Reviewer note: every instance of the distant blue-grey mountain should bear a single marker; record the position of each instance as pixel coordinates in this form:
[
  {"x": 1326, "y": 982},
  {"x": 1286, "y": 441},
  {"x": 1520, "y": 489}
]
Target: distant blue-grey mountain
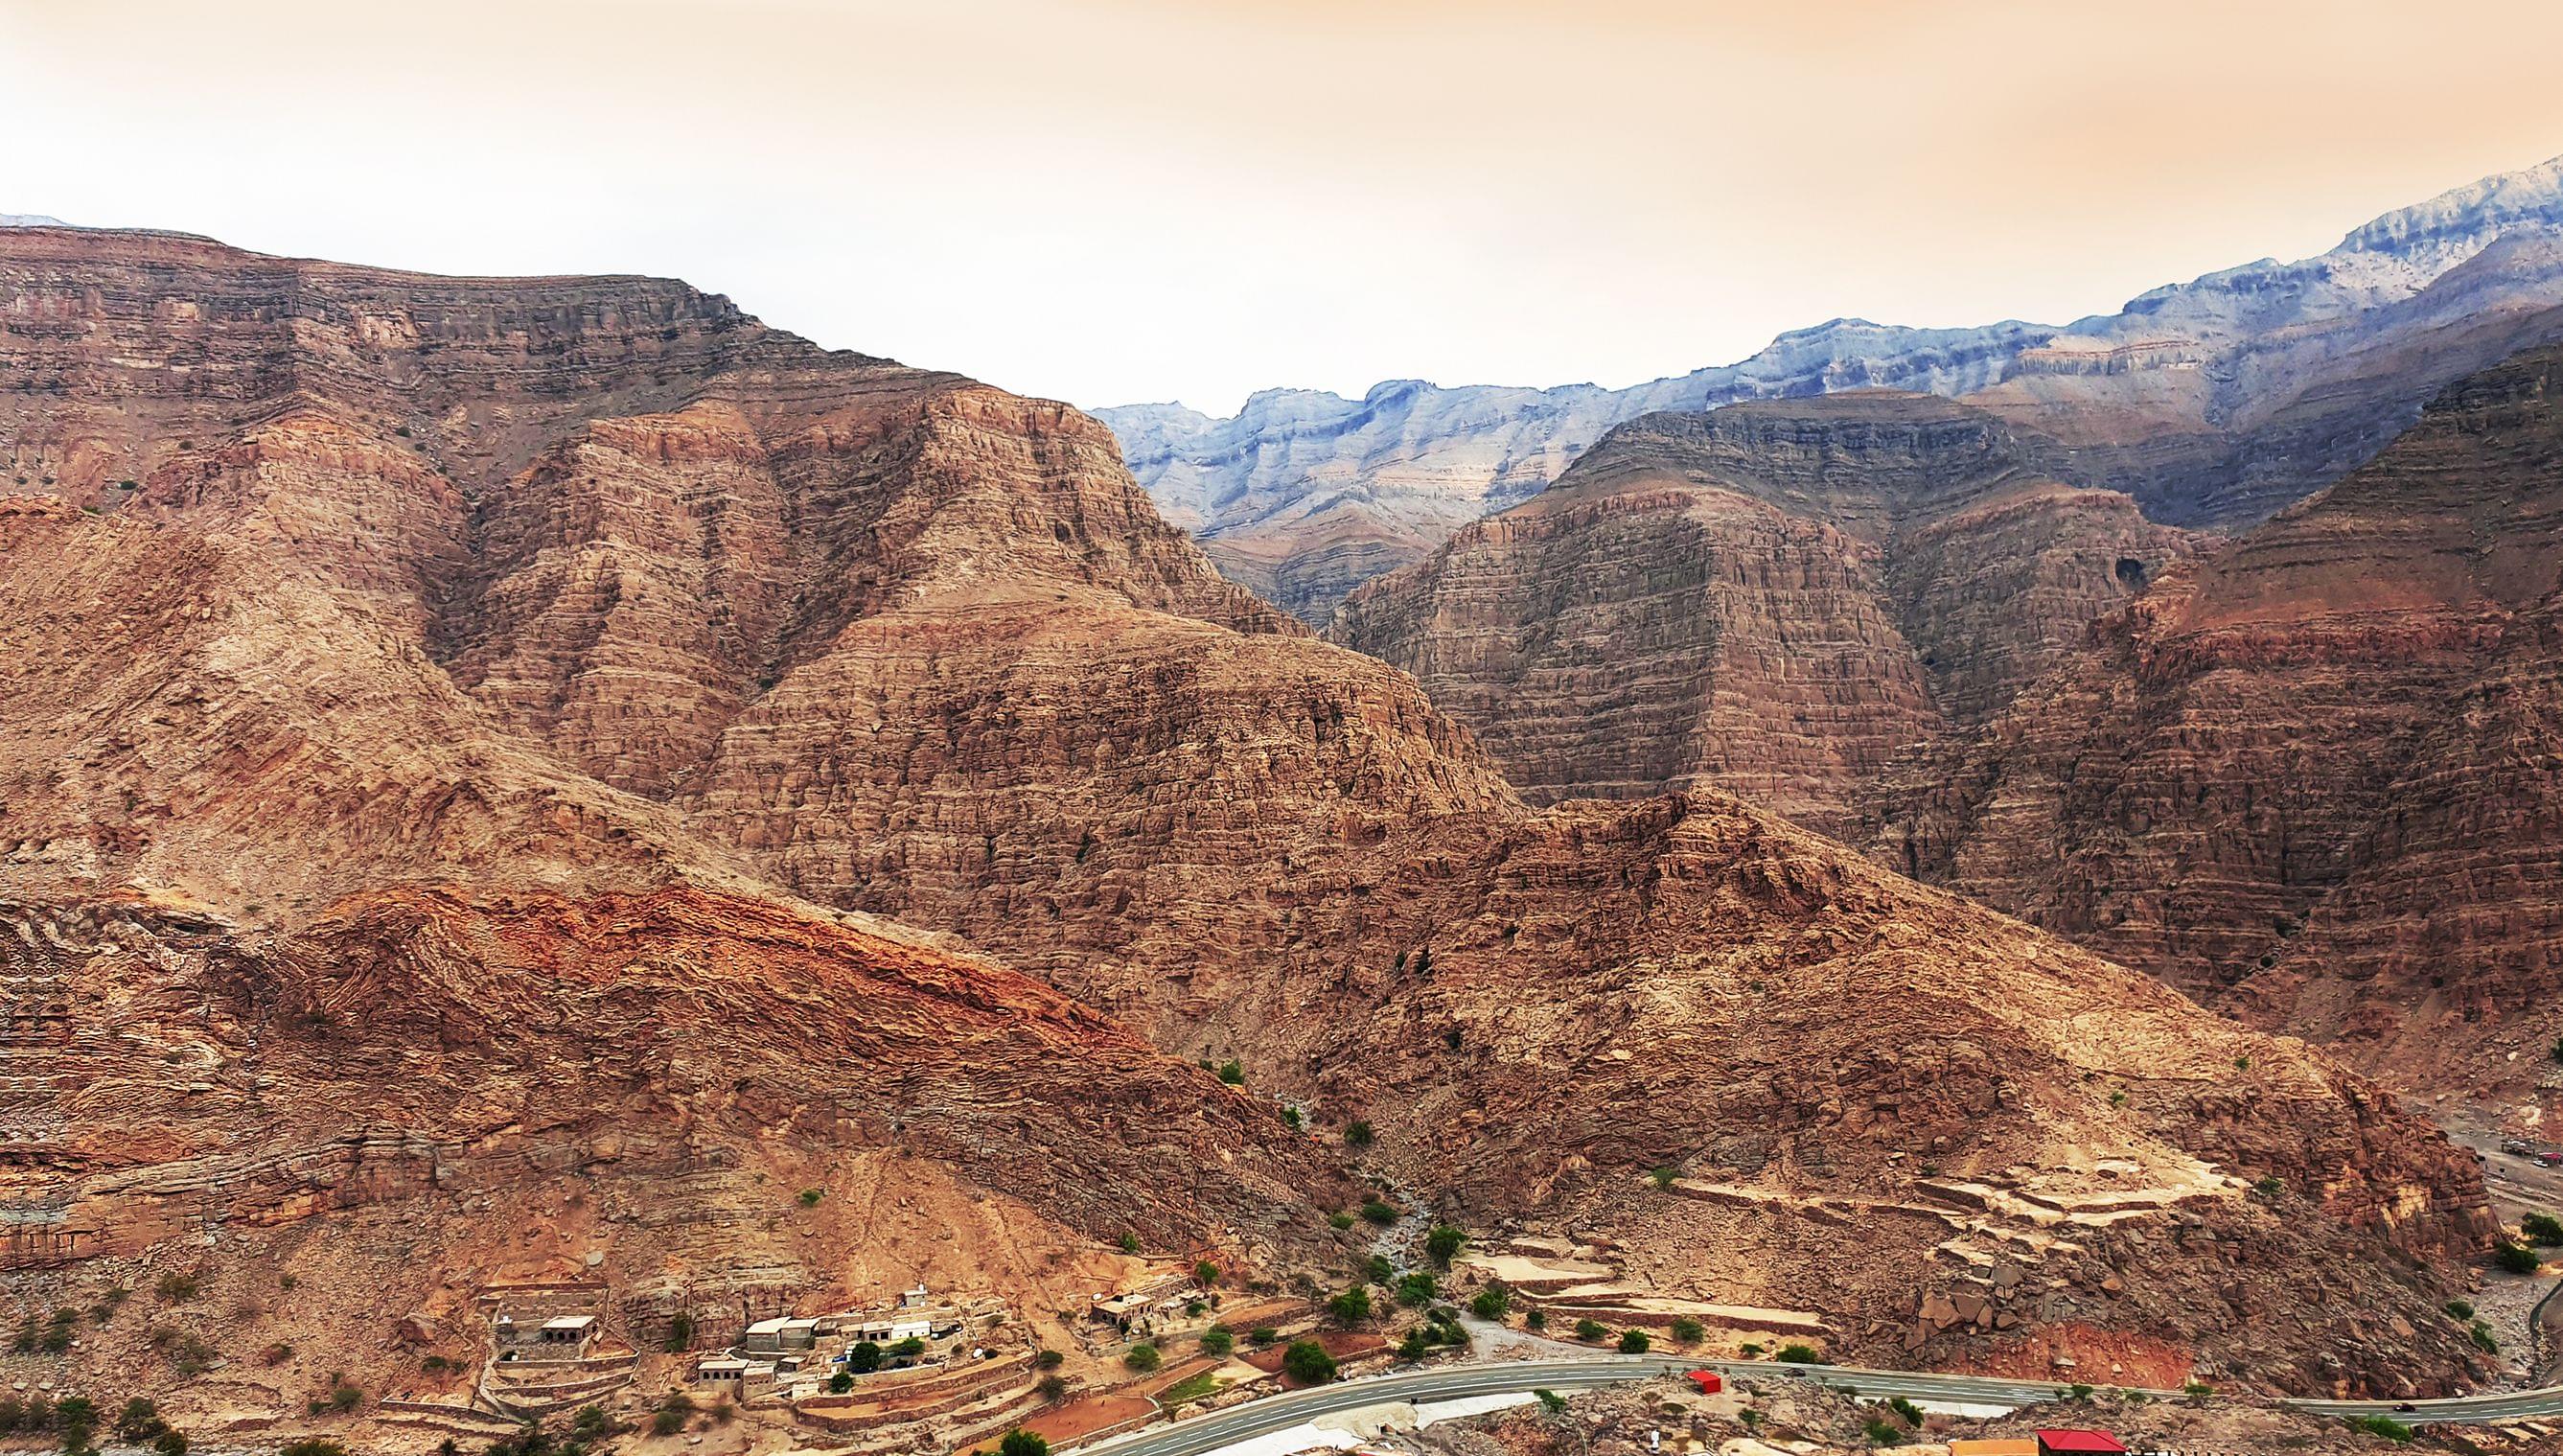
[{"x": 2214, "y": 402}]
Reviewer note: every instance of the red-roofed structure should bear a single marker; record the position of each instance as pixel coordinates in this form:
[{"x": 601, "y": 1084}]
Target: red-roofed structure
[
  {"x": 1707, "y": 1381},
  {"x": 2080, "y": 1443}
]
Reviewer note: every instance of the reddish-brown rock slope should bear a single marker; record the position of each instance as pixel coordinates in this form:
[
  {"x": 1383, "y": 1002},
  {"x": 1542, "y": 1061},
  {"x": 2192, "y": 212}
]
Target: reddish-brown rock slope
[{"x": 2322, "y": 765}]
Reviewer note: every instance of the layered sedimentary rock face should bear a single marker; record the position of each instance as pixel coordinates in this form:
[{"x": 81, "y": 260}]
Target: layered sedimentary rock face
[
  {"x": 2212, "y": 402},
  {"x": 2314, "y": 772},
  {"x": 1780, "y": 599},
  {"x": 553, "y": 667}
]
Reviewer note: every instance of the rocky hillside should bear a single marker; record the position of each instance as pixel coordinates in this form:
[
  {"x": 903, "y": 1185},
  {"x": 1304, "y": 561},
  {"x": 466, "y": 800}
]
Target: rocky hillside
[
  {"x": 1777, "y": 598},
  {"x": 2212, "y": 402},
  {"x": 2319, "y": 772},
  {"x": 476, "y": 708}
]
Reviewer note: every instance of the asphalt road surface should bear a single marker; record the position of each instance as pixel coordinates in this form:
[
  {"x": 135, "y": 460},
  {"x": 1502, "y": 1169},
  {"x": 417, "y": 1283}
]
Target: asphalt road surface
[{"x": 1210, "y": 1432}]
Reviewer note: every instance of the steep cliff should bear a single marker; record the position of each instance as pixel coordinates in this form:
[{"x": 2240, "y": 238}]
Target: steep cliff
[
  {"x": 2317, "y": 770},
  {"x": 2212, "y": 402},
  {"x": 1778, "y": 598},
  {"x": 517, "y": 669}
]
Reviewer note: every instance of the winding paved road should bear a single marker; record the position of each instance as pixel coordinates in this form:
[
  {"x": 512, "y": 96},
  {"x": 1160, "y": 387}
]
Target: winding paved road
[{"x": 1205, "y": 1433}]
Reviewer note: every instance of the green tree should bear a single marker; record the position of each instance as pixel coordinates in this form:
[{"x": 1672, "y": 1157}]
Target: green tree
[
  {"x": 1493, "y": 1302},
  {"x": 909, "y": 1348},
  {"x": 1050, "y": 1360},
  {"x": 1415, "y": 1346},
  {"x": 1379, "y": 1212},
  {"x": 1218, "y": 1340},
  {"x": 681, "y": 1332},
  {"x": 1417, "y": 1290},
  {"x": 1350, "y": 1308},
  {"x": 841, "y": 1383},
  {"x": 864, "y": 1358},
  {"x": 2460, "y": 1308},
  {"x": 1441, "y": 1243},
  {"x": 1634, "y": 1342},
  {"x": 1263, "y": 1334},
  {"x": 2542, "y": 1228},
  {"x": 1799, "y": 1354},
  {"x": 1141, "y": 1357},
  {"x": 1021, "y": 1442},
  {"x": 1688, "y": 1330},
  {"x": 2515, "y": 1258},
  {"x": 1205, "y": 1272},
  {"x": 1308, "y": 1363}
]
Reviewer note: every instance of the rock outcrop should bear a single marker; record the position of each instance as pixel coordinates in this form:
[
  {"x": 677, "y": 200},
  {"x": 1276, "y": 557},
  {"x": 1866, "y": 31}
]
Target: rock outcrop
[
  {"x": 2316, "y": 773},
  {"x": 2212, "y": 402},
  {"x": 1777, "y": 598},
  {"x": 541, "y": 672}
]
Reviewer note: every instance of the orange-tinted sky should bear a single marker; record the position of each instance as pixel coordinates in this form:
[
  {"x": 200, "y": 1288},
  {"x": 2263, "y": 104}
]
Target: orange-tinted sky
[{"x": 1116, "y": 200}]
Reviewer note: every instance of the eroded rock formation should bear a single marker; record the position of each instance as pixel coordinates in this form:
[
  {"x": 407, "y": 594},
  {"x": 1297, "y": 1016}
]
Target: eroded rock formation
[{"x": 1777, "y": 598}]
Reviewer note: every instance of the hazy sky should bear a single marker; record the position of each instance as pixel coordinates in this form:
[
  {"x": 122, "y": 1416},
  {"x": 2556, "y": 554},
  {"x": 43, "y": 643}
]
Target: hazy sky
[{"x": 1118, "y": 200}]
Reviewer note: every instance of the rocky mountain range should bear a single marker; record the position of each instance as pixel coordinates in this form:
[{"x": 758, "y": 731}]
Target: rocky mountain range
[
  {"x": 2212, "y": 403},
  {"x": 509, "y": 778}
]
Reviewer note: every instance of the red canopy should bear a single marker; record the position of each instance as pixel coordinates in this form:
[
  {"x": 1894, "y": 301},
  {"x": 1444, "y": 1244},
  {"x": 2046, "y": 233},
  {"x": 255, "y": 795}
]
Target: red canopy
[
  {"x": 2100, "y": 1444},
  {"x": 1707, "y": 1381}
]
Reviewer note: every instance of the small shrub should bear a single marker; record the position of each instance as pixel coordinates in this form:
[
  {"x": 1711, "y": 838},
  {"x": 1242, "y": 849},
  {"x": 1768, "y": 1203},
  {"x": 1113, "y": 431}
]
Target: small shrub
[
  {"x": 1205, "y": 1272},
  {"x": 1306, "y": 1362},
  {"x": 275, "y": 1354},
  {"x": 1663, "y": 1174},
  {"x": 2197, "y": 1391},
  {"x": 1052, "y": 1388},
  {"x": 810, "y": 1197},
  {"x": 1417, "y": 1290},
  {"x": 2269, "y": 1186},
  {"x": 314, "y": 1448},
  {"x": 1231, "y": 1072},
  {"x": 1050, "y": 1360},
  {"x": 1443, "y": 1244},
  {"x": 1379, "y": 1212},
  {"x": 1536, "y": 1320},
  {"x": 1379, "y": 1271},
  {"x": 1749, "y": 1350},
  {"x": 344, "y": 1398},
  {"x": 2542, "y": 1228},
  {"x": 909, "y": 1348},
  {"x": 1218, "y": 1340},
  {"x": 1357, "y": 1134},
  {"x": 1492, "y": 1303},
  {"x": 1416, "y": 1344},
  {"x": 1550, "y": 1402},
  {"x": 2515, "y": 1258},
  {"x": 1350, "y": 1308},
  {"x": 1911, "y": 1412},
  {"x": 175, "y": 1288},
  {"x": 2459, "y": 1309},
  {"x": 2242, "y": 1064},
  {"x": 2381, "y": 1426},
  {"x": 1263, "y": 1334},
  {"x": 1142, "y": 1357},
  {"x": 681, "y": 1332},
  {"x": 1799, "y": 1354},
  {"x": 1634, "y": 1342},
  {"x": 1021, "y": 1442},
  {"x": 1291, "y": 1114},
  {"x": 2480, "y": 1333},
  {"x": 1688, "y": 1330},
  {"x": 1589, "y": 1330},
  {"x": 1130, "y": 1243},
  {"x": 841, "y": 1383},
  {"x": 1339, "y": 1220}
]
